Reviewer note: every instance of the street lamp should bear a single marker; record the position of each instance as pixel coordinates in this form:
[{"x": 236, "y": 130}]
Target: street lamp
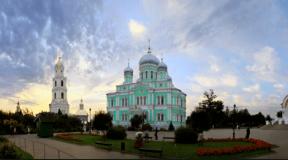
[{"x": 90, "y": 130}]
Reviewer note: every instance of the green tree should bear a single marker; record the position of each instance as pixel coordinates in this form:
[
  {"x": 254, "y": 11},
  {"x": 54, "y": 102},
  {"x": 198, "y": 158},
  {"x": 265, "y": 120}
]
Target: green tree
[
  {"x": 199, "y": 121},
  {"x": 136, "y": 120},
  {"x": 102, "y": 121}
]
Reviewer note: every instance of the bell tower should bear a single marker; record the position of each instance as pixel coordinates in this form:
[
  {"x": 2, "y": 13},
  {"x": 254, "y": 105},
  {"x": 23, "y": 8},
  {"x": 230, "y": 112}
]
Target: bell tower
[{"x": 59, "y": 90}]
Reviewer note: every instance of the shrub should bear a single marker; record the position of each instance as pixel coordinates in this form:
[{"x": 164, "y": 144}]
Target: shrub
[
  {"x": 171, "y": 127},
  {"x": 2, "y": 140},
  {"x": 186, "y": 135},
  {"x": 117, "y": 132},
  {"x": 146, "y": 127},
  {"x": 8, "y": 151}
]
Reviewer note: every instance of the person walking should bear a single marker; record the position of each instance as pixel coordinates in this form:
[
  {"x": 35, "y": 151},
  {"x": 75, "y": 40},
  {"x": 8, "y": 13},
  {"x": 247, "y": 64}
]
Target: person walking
[
  {"x": 247, "y": 133},
  {"x": 156, "y": 134}
]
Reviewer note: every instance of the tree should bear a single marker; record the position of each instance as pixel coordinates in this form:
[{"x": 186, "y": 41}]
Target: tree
[
  {"x": 199, "y": 121},
  {"x": 279, "y": 114},
  {"x": 102, "y": 121},
  {"x": 209, "y": 98},
  {"x": 171, "y": 127},
  {"x": 269, "y": 119},
  {"x": 136, "y": 120}
]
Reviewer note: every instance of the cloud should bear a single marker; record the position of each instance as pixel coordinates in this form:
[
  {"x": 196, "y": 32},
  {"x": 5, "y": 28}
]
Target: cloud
[
  {"x": 265, "y": 64},
  {"x": 278, "y": 86},
  {"x": 5, "y": 57},
  {"x": 227, "y": 80},
  {"x": 252, "y": 89},
  {"x": 137, "y": 29}
]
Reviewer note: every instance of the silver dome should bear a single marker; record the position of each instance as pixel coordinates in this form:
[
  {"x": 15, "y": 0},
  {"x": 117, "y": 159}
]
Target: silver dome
[
  {"x": 149, "y": 58},
  {"x": 128, "y": 69}
]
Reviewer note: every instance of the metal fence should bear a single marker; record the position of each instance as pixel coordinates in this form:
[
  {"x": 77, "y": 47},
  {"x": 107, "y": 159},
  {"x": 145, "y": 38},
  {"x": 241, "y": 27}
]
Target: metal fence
[{"x": 40, "y": 150}]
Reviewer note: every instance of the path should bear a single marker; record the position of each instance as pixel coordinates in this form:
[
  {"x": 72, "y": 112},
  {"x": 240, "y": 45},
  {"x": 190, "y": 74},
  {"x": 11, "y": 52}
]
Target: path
[{"x": 46, "y": 148}]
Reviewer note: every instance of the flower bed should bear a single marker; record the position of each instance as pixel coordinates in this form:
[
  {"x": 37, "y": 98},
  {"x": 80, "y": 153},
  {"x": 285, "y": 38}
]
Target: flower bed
[
  {"x": 256, "y": 145},
  {"x": 68, "y": 137}
]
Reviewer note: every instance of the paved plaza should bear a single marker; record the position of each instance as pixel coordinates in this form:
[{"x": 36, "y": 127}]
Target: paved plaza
[
  {"x": 60, "y": 150},
  {"x": 46, "y": 148}
]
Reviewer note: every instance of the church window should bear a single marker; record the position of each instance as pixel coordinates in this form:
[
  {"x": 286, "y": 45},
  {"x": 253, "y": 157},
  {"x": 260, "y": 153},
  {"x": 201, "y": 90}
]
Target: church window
[
  {"x": 162, "y": 117},
  {"x": 137, "y": 100},
  {"x": 146, "y": 74},
  {"x": 156, "y": 75},
  {"x": 181, "y": 118},
  {"x": 162, "y": 100},
  {"x": 62, "y": 83},
  {"x": 141, "y": 100},
  {"x": 158, "y": 116},
  {"x": 112, "y": 102},
  {"x": 151, "y": 74},
  {"x": 62, "y": 95},
  {"x": 160, "y": 84},
  {"x": 54, "y": 95},
  {"x": 55, "y": 83},
  {"x": 145, "y": 100},
  {"x": 122, "y": 102},
  {"x": 158, "y": 100}
]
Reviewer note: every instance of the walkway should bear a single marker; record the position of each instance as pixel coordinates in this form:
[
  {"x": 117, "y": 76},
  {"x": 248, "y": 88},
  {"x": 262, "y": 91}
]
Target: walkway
[{"x": 46, "y": 148}]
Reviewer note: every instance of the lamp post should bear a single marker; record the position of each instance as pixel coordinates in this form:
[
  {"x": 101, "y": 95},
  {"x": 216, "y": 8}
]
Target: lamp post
[{"x": 90, "y": 130}]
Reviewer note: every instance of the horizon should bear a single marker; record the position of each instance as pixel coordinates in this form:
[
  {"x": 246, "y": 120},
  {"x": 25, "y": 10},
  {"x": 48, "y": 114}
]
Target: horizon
[{"x": 236, "y": 48}]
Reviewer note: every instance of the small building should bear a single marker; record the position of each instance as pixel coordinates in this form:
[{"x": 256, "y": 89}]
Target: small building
[{"x": 81, "y": 113}]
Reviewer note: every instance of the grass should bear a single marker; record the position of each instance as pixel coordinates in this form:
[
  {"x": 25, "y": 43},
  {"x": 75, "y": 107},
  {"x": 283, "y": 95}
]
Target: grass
[{"x": 170, "y": 149}]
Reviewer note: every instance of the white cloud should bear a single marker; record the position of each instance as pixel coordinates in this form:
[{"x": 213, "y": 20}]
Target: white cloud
[
  {"x": 278, "y": 86},
  {"x": 252, "y": 89},
  {"x": 222, "y": 80},
  {"x": 136, "y": 28},
  {"x": 265, "y": 64},
  {"x": 5, "y": 57}
]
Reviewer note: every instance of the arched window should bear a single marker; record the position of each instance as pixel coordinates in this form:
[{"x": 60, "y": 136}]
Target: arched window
[
  {"x": 137, "y": 100},
  {"x": 62, "y": 95},
  {"x": 162, "y": 117},
  {"x": 146, "y": 74},
  {"x": 162, "y": 100},
  {"x": 54, "y": 95},
  {"x": 151, "y": 74},
  {"x": 55, "y": 83},
  {"x": 62, "y": 83}
]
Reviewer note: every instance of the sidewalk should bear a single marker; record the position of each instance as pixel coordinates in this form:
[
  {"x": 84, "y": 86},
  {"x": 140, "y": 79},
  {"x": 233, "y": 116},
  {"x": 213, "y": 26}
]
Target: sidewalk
[{"x": 45, "y": 148}]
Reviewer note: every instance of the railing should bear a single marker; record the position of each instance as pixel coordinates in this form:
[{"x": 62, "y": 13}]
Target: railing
[{"x": 40, "y": 150}]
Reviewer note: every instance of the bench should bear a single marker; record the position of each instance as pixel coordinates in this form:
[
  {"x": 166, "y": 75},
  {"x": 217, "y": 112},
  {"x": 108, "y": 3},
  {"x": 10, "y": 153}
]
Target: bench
[
  {"x": 152, "y": 150},
  {"x": 108, "y": 145}
]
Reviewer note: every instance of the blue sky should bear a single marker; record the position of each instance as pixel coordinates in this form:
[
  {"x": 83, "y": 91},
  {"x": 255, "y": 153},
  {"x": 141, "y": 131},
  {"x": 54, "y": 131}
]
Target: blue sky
[{"x": 237, "y": 48}]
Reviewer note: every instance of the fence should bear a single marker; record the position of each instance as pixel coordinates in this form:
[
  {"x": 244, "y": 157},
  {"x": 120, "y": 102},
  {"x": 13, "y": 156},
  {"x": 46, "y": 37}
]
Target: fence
[{"x": 40, "y": 150}]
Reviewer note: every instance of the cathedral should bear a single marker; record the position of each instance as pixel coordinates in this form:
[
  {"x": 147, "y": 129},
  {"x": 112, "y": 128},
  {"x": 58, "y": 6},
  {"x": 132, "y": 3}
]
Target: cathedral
[
  {"x": 59, "y": 90},
  {"x": 152, "y": 95}
]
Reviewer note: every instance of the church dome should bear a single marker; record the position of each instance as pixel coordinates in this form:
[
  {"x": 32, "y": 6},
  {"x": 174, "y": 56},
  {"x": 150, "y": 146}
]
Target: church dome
[
  {"x": 128, "y": 69},
  {"x": 149, "y": 58},
  {"x": 162, "y": 64}
]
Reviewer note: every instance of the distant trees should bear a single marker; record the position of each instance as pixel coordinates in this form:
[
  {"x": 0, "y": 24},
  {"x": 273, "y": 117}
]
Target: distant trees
[
  {"x": 19, "y": 120},
  {"x": 210, "y": 113}
]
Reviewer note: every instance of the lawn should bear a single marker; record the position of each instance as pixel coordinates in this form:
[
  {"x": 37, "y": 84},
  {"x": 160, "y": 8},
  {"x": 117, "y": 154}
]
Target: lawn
[{"x": 170, "y": 149}]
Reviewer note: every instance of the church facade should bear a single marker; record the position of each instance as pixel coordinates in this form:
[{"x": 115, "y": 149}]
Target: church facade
[
  {"x": 152, "y": 95},
  {"x": 59, "y": 90}
]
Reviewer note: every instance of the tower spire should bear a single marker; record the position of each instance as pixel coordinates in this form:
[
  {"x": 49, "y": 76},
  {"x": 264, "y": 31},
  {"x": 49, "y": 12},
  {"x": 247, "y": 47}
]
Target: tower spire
[{"x": 149, "y": 48}]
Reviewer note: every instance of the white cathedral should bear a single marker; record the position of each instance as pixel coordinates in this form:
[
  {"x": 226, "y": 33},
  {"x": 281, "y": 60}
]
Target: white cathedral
[{"x": 59, "y": 90}]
